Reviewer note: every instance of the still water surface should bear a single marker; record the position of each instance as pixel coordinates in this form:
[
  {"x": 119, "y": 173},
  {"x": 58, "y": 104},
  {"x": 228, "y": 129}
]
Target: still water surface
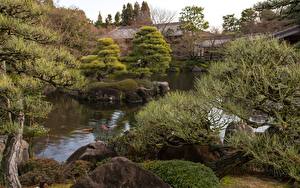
[{"x": 73, "y": 124}]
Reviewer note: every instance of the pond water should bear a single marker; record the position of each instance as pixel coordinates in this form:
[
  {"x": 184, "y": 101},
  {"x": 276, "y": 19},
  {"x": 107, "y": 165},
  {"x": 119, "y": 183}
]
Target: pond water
[{"x": 73, "y": 124}]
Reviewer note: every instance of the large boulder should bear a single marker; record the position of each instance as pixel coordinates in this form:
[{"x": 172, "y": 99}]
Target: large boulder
[
  {"x": 92, "y": 152},
  {"x": 120, "y": 173},
  {"x": 163, "y": 87},
  {"x": 133, "y": 97}
]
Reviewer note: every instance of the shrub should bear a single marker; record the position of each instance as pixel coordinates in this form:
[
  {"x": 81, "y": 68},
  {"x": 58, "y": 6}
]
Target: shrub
[
  {"x": 77, "y": 169},
  {"x": 181, "y": 174},
  {"x": 151, "y": 53},
  {"x": 41, "y": 170},
  {"x": 105, "y": 61},
  {"x": 178, "y": 118}
]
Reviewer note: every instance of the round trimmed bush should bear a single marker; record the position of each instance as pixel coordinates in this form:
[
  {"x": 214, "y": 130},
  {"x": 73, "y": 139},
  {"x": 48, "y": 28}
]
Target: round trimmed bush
[{"x": 183, "y": 174}]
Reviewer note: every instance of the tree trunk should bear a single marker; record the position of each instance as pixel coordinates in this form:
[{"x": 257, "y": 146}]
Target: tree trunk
[{"x": 10, "y": 156}]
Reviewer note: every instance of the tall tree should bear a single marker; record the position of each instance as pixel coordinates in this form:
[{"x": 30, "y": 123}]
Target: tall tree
[
  {"x": 136, "y": 11},
  {"x": 108, "y": 20},
  {"x": 288, "y": 9},
  {"x": 117, "y": 19},
  {"x": 248, "y": 20},
  {"x": 29, "y": 62},
  {"x": 145, "y": 15},
  {"x": 192, "y": 19},
  {"x": 192, "y": 23},
  {"x": 230, "y": 23},
  {"x": 99, "y": 21},
  {"x": 127, "y": 14},
  {"x": 124, "y": 16}
]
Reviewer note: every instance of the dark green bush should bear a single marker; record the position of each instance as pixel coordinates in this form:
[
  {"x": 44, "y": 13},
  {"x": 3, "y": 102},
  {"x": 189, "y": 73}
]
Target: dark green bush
[
  {"x": 77, "y": 169},
  {"x": 37, "y": 170},
  {"x": 183, "y": 174}
]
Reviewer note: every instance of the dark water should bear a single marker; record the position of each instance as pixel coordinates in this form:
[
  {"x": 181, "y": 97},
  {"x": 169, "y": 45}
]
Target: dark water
[{"x": 73, "y": 124}]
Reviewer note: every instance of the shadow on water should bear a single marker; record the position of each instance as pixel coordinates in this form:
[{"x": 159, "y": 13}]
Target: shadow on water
[{"x": 73, "y": 124}]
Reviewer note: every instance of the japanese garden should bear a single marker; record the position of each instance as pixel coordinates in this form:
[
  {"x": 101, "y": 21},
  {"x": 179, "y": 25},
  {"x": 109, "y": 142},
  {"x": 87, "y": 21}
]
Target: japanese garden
[{"x": 147, "y": 97}]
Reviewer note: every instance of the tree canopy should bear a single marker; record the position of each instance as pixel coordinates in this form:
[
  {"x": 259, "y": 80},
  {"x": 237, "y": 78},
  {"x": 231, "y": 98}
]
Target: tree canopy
[
  {"x": 192, "y": 19},
  {"x": 29, "y": 60}
]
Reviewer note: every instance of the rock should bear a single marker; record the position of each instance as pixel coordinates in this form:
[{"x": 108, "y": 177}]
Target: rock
[
  {"x": 163, "y": 87},
  {"x": 133, "y": 97},
  {"x": 23, "y": 156},
  {"x": 189, "y": 152},
  {"x": 234, "y": 127},
  {"x": 102, "y": 95},
  {"x": 120, "y": 173},
  {"x": 92, "y": 152},
  {"x": 145, "y": 94},
  {"x": 197, "y": 69}
]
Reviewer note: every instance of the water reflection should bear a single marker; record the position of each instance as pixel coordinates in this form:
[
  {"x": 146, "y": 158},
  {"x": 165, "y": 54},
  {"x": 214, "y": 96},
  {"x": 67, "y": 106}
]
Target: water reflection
[{"x": 73, "y": 124}]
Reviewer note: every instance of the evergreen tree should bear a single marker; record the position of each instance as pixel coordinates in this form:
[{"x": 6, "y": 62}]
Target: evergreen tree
[
  {"x": 230, "y": 23},
  {"x": 192, "y": 19},
  {"x": 117, "y": 19},
  {"x": 99, "y": 21},
  {"x": 248, "y": 20},
  {"x": 124, "y": 16},
  {"x": 151, "y": 53},
  {"x": 108, "y": 20},
  {"x": 136, "y": 11},
  {"x": 105, "y": 62},
  {"x": 145, "y": 14},
  {"x": 28, "y": 63},
  {"x": 130, "y": 14}
]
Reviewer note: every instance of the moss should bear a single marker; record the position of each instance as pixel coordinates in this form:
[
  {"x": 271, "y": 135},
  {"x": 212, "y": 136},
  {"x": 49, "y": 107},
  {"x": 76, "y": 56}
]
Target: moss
[
  {"x": 181, "y": 174},
  {"x": 124, "y": 85},
  {"x": 77, "y": 169}
]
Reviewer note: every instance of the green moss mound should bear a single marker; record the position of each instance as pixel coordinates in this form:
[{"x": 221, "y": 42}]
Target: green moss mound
[
  {"x": 183, "y": 174},
  {"x": 124, "y": 85}
]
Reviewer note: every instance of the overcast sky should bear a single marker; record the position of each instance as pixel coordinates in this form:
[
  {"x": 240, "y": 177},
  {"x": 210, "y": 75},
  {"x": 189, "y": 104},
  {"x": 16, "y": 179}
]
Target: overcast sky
[{"x": 214, "y": 9}]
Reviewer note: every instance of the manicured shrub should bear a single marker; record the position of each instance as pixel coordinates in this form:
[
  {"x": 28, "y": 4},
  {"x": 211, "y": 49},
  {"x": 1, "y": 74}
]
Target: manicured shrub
[
  {"x": 183, "y": 174},
  {"x": 151, "y": 53},
  {"x": 105, "y": 61},
  {"x": 77, "y": 169}
]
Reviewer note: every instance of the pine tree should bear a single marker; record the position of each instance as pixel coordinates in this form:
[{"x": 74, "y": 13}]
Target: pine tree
[
  {"x": 124, "y": 16},
  {"x": 136, "y": 11},
  {"x": 117, "y": 19},
  {"x": 130, "y": 14},
  {"x": 108, "y": 20},
  {"x": 99, "y": 21},
  {"x": 105, "y": 62},
  {"x": 145, "y": 14},
  {"x": 28, "y": 63},
  {"x": 151, "y": 53}
]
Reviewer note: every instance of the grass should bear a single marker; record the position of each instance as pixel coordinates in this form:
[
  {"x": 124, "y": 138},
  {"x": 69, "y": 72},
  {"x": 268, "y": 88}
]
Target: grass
[
  {"x": 251, "y": 182},
  {"x": 61, "y": 186}
]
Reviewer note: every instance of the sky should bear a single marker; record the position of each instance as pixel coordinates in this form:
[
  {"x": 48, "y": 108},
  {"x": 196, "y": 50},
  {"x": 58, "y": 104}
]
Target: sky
[{"x": 214, "y": 10}]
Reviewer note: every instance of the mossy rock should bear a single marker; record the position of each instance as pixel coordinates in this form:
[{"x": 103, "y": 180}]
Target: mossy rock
[
  {"x": 181, "y": 174},
  {"x": 77, "y": 169},
  {"x": 124, "y": 85}
]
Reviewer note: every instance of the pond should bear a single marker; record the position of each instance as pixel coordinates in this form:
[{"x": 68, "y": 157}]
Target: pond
[{"x": 73, "y": 124}]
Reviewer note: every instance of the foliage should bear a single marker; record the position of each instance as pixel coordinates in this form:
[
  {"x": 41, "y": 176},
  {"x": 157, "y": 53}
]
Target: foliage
[
  {"x": 77, "y": 33},
  {"x": 104, "y": 62},
  {"x": 39, "y": 170},
  {"x": 99, "y": 21},
  {"x": 178, "y": 118},
  {"x": 230, "y": 23},
  {"x": 192, "y": 19},
  {"x": 108, "y": 20},
  {"x": 151, "y": 53},
  {"x": 124, "y": 85},
  {"x": 117, "y": 19},
  {"x": 180, "y": 174},
  {"x": 127, "y": 14},
  {"x": 289, "y": 9},
  {"x": 77, "y": 169},
  {"x": 136, "y": 15},
  {"x": 260, "y": 75}
]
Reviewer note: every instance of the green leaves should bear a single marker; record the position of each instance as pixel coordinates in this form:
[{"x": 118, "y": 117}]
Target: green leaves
[
  {"x": 192, "y": 18},
  {"x": 151, "y": 53}
]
